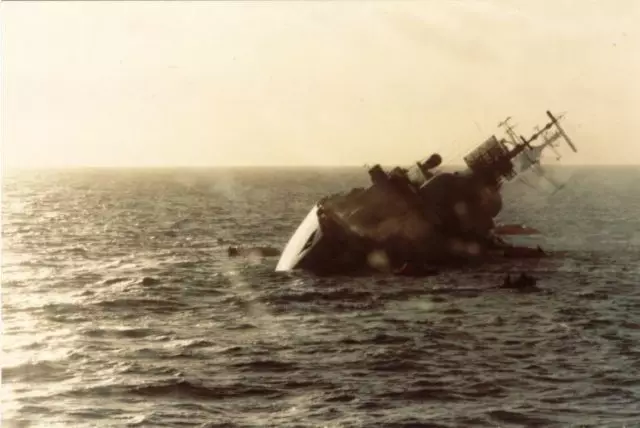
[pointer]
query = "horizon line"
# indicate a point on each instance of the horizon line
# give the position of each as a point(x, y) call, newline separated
point(275, 166)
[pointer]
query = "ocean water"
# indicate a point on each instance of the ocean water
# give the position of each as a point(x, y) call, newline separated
point(121, 307)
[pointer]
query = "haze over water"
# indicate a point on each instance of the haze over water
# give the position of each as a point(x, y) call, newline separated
point(122, 308)
point(311, 83)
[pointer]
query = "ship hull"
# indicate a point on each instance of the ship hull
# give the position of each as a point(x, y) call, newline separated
point(323, 247)
point(320, 246)
point(303, 241)
point(407, 220)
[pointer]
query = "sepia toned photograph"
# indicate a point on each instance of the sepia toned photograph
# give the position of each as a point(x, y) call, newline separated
point(320, 213)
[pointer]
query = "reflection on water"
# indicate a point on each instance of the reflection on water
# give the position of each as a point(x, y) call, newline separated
point(121, 306)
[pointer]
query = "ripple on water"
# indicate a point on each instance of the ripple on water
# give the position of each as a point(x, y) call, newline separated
point(121, 307)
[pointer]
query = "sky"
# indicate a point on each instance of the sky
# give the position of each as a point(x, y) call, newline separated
point(311, 82)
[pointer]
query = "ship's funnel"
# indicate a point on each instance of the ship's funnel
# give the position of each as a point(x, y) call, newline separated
point(434, 161)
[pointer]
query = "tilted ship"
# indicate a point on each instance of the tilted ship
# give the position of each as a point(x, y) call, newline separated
point(412, 220)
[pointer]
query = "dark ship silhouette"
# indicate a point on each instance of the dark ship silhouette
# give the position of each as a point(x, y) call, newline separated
point(412, 221)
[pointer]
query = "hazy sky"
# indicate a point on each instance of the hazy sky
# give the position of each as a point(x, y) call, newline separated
point(305, 83)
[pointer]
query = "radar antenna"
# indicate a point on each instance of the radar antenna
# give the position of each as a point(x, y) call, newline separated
point(560, 131)
point(528, 157)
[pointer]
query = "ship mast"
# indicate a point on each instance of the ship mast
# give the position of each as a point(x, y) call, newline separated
point(509, 130)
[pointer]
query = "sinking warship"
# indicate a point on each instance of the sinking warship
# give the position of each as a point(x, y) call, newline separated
point(414, 220)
